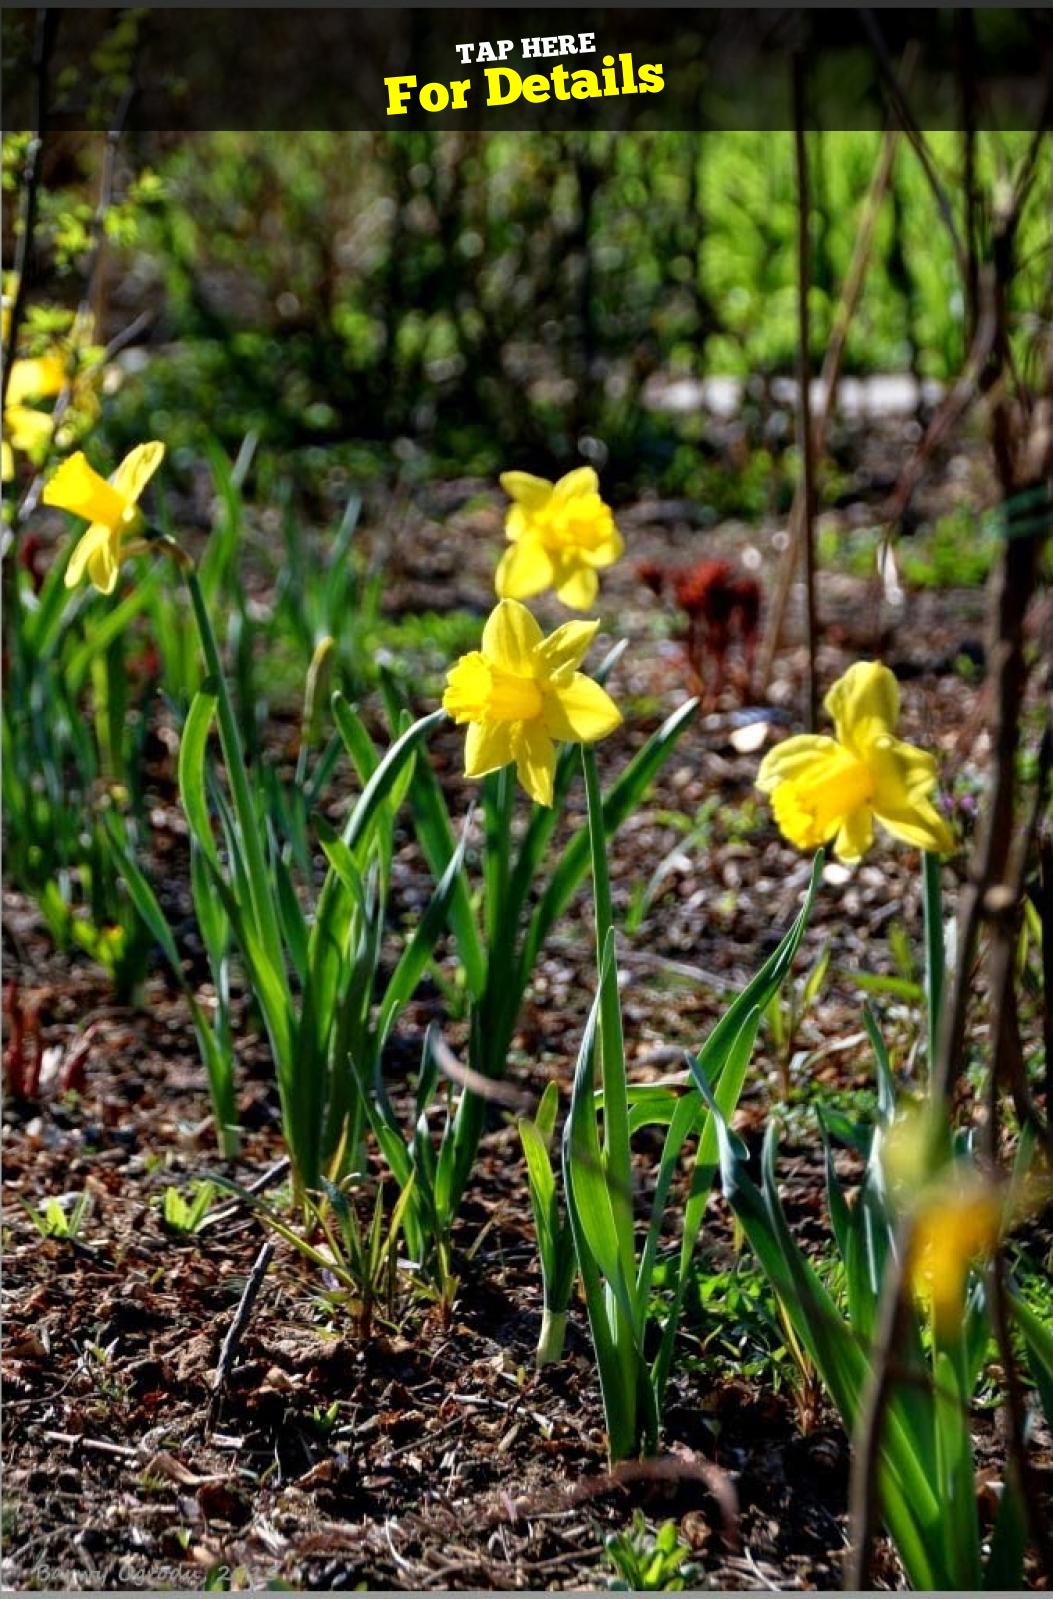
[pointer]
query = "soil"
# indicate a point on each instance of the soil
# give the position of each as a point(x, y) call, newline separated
point(448, 1461)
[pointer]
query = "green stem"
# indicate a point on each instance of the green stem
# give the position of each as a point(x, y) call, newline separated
point(612, 1045)
point(500, 806)
point(553, 1333)
point(494, 1016)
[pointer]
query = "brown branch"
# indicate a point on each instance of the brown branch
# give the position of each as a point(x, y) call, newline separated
point(805, 438)
point(983, 894)
point(992, 894)
point(1046, 914)
point(1004, 909)
point(1014, 583)
point(1014, 1409)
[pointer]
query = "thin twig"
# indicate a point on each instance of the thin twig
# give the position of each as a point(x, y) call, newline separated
point(829, 377)
point(47, 22)
point(897, 95)
point(107, 178)
point(272, 1175)
point(467, 1077)
point(965, 36)
point(236, 1331)
point(97, 1446)
point(952, 408)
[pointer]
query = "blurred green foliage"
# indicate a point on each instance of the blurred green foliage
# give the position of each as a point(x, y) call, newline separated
point(500, 297)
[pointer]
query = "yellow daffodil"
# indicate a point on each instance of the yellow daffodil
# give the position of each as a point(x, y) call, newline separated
point(559, 534)
point(835, 788)
point(521, 691)
point(111, 508)
point(958, 1223)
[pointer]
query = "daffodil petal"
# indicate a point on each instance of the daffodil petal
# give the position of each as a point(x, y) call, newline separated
point(92, 554)
point(136, 470)
point(921, 826)
point(559, 656)
point(468, 684)
point(510, 637)
point(523, 570)
point(7, 462)
point(580, 711)
point(579, 590)
point(527, 490)
point(487, 747)
point(582, 480)
point(902, 772)
point(535, 756)
point(104, 563)
point(518, 524)
point(864, 704)
point(78, 488)
point(904, 778)
point(790, 758)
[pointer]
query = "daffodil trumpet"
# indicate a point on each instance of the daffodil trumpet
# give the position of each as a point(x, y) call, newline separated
point(825, 789)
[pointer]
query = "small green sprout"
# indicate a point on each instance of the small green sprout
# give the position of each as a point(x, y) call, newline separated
point(185, 1214)
point(53, 1220)
point(650, 1562)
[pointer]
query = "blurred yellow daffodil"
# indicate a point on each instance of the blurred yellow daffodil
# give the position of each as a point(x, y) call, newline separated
point(7, 306)
point(835, 788)
point(111, 508)
point(25, 429)
point(559, 534)
point(521, 691)
point(37, 377)
point(959, 1222)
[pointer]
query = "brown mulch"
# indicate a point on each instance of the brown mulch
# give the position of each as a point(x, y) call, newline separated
point(448, 1462)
